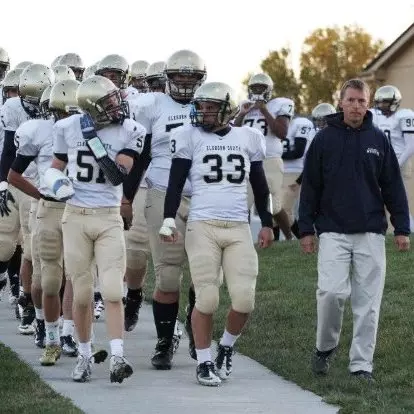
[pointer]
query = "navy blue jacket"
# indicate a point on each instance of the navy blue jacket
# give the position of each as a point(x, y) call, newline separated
point(349, 174)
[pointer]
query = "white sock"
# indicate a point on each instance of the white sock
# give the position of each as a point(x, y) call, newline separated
point(117, 347)
point(85, 349)
point(228, 339)
point(203, 355)
point(68, 327)
point(52, 333)
point(39, 314)
point(92, 334)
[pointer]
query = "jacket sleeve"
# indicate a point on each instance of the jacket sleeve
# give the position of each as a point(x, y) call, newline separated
point(311, 188)
point(393, 191)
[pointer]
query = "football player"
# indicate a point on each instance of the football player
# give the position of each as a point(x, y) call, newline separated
point(398, 124)
point(98, 149)
point(219, 160)
point(271, 117)
point(9, 89)
point(319, 114)
point(15, 205)
point(139, 70)
point(160, 114)
point(4, 63)
point(155, 78)
point(35, 139)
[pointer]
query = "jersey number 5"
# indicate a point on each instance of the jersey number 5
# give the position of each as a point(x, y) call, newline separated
point(216, 163)
point(86, 171)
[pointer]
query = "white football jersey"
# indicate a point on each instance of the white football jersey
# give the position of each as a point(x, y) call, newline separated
point(220, 170)
point(12, 116)
point(35, 139)
point(255, 119)
point(394, 127)
point(299, 127)
point(131, 93)
point(160, 115)
point(92, 189)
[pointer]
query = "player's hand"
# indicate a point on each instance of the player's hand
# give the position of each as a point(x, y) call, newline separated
point(168, 231)
point(246, 107)
point(126, 214)
point(402, 242)
point(5, 197)
point(260, 105)
point(266, 237)
point(308, 244)
point(87, 126)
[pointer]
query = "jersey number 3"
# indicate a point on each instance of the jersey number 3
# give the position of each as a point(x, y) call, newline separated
point(86, 171)
point(216, 163)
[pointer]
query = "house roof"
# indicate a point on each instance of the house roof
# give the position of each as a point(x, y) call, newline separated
point(389, 52)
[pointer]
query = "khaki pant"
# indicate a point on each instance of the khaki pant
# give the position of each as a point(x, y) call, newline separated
point(290, 196)
point(137, 242)
point(94, 233)
point(36, 275)
point(48, 242)
point(168, 258)
point(10, 226)
point(213, 244)
point(273, 168)
point(350, 265)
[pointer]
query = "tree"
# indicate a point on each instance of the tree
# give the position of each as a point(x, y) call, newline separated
point(330, 56)
point(284, 81)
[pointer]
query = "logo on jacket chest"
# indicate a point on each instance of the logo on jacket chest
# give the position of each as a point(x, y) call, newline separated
point(373, 151)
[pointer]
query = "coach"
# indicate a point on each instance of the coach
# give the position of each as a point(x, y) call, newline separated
point(350, 172)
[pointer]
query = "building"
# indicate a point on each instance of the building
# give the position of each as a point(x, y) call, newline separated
point(395, 66)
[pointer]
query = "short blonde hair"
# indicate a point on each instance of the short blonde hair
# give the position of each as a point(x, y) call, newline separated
point(354, 84)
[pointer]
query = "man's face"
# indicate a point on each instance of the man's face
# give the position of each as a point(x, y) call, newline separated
point(354, 105)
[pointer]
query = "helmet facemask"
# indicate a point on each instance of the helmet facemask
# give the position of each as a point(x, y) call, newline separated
point(387, 106)
point(211, 114)
point(157, 84)
point(183, 84)
point(140, 84)
point(4, 67)
point(259, 92)
point(110, 109)
point(117, 76)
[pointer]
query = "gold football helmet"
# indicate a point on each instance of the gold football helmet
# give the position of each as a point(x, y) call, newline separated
point(387, 99)
point(320, 112)
point(99, 97)
point(223, 98)
point(33, 81)
point(23, 65)
point(63, 72)
point(185, 72)
point(260, 87)
point(63, 100)
point(156, 79)
point(11, 83)
point(75, 62)
point(115, 68)
point(4, 63)
point(138, 75)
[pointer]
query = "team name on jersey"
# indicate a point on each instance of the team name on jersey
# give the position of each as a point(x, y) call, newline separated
point(223, 148)
point(177, 117)
point(83, 144)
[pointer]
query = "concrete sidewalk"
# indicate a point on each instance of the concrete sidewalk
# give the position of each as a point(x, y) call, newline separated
point(252, 389)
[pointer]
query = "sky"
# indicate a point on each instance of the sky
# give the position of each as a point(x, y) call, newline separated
point(231, 38)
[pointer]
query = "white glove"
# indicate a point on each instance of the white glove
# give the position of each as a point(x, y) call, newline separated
point(168, 227)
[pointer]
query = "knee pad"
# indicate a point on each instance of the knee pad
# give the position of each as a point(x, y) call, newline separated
point(112, 289)
point(168, 278)
point(207, 299)
point(82, 290)
point(50, 246)
point(51, 278)
point(137, 260)
point(242, 299)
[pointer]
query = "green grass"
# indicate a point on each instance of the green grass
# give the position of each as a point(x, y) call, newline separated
point(22, 390)
point(284, 323)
